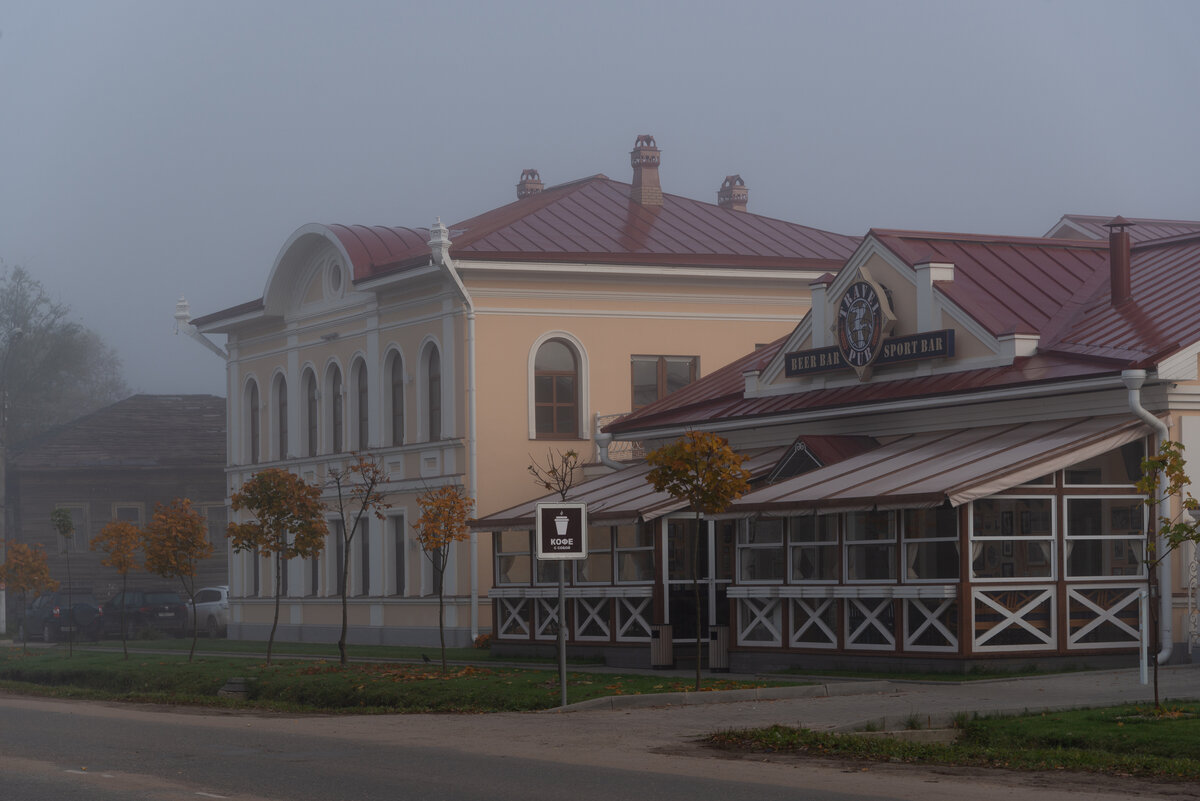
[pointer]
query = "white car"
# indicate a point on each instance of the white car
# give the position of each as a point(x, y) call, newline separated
point(212, 610)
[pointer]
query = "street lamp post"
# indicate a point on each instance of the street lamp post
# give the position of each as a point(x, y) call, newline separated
point(9, 341)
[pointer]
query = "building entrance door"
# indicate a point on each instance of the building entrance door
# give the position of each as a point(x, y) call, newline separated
point(711, 555)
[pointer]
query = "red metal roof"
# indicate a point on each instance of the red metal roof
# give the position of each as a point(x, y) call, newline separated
point(1056, 289)
point(377, 248)
point(1142, 229)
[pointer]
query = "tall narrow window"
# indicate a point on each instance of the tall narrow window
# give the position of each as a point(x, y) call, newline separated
point(360, 398)
point(656, 377)
point(281, 415)
point(339, 550)
point(335, 397)
point(396, 523)
point(556, 390)
point(433, 374)
point(310, 413)
point(396, 399)
point(252, 411)
point(364, 559)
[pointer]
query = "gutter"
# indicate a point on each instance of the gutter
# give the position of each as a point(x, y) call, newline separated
point(1134, 379)
point(602, 443)
point(439, 242)
point(183, 325)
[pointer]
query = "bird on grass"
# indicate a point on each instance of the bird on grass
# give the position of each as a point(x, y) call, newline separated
point(427, 659)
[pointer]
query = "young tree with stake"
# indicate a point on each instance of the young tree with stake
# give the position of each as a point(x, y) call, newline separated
point(357, 497)
point(175, 543)
point(60, 518)
point(702, 470)
point(445, 512)
point(288, 523)
point(119, 540)
point(25, 570)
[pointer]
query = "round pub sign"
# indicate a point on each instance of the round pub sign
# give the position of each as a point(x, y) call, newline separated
point(561, 531)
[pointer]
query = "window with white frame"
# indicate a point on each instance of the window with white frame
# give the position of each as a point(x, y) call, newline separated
point(556, 390)
point(396, 398)
point(870, 546)
point(339, 557)
point(813, 544)
point(597, 568)
point(252, 422)
point(760, 550)
point(362, 420)
point(930, 544)
point(312, 413)
point(1105, 536)
point(433, 394)
point(128, 513)
point(336, 416)
point(362, 545)
point(513, 557)
point(635, 554)
point(1012, 538)
point(398, 539)
point(281, 417)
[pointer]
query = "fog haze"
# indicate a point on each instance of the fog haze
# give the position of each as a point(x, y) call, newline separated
point(157, 149)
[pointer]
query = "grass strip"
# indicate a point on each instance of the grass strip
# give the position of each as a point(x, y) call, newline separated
point(1119, 741)
point(319, 686)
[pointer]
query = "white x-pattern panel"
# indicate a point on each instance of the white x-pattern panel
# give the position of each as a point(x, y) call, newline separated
point(514, 620)
point(759, 621)
point(632, 624)
point(929, 618)
point(1103, 615)
point(810, 628)
point(546, 618)
point(1037, 600)
point(872, 611)
point(591, 613)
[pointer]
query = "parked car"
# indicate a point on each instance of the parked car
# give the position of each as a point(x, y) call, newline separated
point(212, 610)
point(146, 609)
point(55, 616)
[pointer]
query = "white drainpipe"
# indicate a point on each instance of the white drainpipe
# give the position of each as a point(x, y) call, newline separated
point(440, 244)
point(602, 443)
point(1133, 382)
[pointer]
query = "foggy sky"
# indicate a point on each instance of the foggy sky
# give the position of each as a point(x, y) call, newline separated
point(155, 149)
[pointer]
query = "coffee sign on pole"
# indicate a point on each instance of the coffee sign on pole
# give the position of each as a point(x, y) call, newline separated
point(562, 531)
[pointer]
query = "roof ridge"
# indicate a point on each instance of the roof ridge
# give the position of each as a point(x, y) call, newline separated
point(511, 212)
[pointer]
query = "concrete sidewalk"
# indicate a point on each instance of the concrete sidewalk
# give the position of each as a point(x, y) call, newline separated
point(892, 705)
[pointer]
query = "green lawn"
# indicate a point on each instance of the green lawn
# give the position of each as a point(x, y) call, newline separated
point(1121, 741)
point(316, 685)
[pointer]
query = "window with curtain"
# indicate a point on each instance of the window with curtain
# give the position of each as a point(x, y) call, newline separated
point(556, 390)
point(930, 544)
point(870, 546)
point(760, 550)
point(813, 542)
point(1105, 537)
point(1012, 538)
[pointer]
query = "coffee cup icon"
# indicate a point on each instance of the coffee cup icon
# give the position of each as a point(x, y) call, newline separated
point(560, 523)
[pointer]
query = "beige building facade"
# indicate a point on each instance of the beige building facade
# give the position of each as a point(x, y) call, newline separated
point(457, 355)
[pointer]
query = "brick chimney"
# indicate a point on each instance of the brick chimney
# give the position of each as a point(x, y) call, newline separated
point(530, 184)
point(644, 158)
point(733, 193)
point(1118, 259)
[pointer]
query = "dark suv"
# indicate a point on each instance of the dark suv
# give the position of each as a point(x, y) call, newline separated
point(53, 616)
point(146, 609)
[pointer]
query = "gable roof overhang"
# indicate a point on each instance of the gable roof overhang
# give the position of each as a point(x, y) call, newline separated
point(956, 467)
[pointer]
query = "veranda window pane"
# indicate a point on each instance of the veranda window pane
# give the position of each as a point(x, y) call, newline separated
point(871, 562)
point(814, 563)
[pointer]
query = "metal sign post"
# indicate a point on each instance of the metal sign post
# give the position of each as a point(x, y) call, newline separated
point(562, 535)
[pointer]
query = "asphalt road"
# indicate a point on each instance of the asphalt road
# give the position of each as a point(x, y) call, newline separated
point(52, 750)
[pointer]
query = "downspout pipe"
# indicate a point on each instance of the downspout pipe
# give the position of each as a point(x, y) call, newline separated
point(439, 243)
point(602, 443)
point(1134, 379)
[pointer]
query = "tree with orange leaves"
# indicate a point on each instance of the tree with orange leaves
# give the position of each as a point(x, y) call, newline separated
point(289, 523)
point(25, 569)
point(356, 497)
point(445, 512)
point(119, 540)
point(701, 469)
point(176, 541)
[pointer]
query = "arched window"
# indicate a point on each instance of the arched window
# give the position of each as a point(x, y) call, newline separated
point(310, 413)
point(361, 407)
point(337, 419)
point(252, 421)
point(556, 390)
point(281, 415)
point(396, 398)
point(433, 386)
